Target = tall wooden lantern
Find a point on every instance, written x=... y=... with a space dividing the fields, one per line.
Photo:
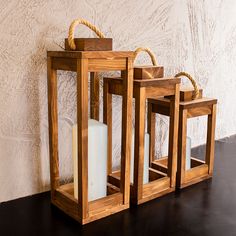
x=190 y=170
x=84 y=56
x=147 y=182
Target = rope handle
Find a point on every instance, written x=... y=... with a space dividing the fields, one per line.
x=76 y=22
x=195 y=86
x=147 y=50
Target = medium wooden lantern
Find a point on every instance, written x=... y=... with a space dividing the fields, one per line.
x=192 y=104
x=157 y=183
x=84 y=62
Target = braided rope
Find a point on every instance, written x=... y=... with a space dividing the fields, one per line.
x=83 y=22
x=150 y=53
x=195 y=86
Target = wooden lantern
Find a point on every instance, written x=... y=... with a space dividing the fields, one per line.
x=192 y=104
x=62 y=196
x=159 y=182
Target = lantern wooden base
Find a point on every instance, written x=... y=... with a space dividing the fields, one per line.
x=161 y=183
x=197 y=173
x=200 y=170
x=91 y=44
x=113 y=203
x=83 y=63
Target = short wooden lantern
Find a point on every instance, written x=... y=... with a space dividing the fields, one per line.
x=84 y=62
x=158 y=182
x=192 y=104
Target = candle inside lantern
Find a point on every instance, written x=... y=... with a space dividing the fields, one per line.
x=188 y=153
x=97 y=160
x=146 y=160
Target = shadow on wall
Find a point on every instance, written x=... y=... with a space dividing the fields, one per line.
x=37 y=99
x=24 y=128
x=37 y=92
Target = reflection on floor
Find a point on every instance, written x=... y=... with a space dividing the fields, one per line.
x=208 y=208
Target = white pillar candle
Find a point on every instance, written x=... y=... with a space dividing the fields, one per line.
x=97 y=160
x=188 y=153
x=146 y=160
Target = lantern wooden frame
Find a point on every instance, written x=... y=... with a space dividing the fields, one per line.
x=200 y=170
x=83 y=62
x=160 y=183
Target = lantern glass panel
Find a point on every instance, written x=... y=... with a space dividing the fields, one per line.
x=196 y=141
x=161 y=136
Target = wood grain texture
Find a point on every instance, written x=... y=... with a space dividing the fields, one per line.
x=94 y=96
x=173 y=137
x=140 y=115
x=53 y=127
x=148 y=72
x=107 y=119
x=126 y=136
x=186 y=94
x=91 y=54
x=151 y=128
x=181 y=148
x=210 y=145
x=91 y=44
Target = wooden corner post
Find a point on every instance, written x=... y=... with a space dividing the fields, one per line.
x=126 y=136
x=210 y=145
x=173 y=136
x=53 y=126
x=140 y=113
x=82 y=121
x=94 y=95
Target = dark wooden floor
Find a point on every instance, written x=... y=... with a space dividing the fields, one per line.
x=208 y=208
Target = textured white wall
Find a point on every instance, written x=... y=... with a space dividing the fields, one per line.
x=196 y=36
